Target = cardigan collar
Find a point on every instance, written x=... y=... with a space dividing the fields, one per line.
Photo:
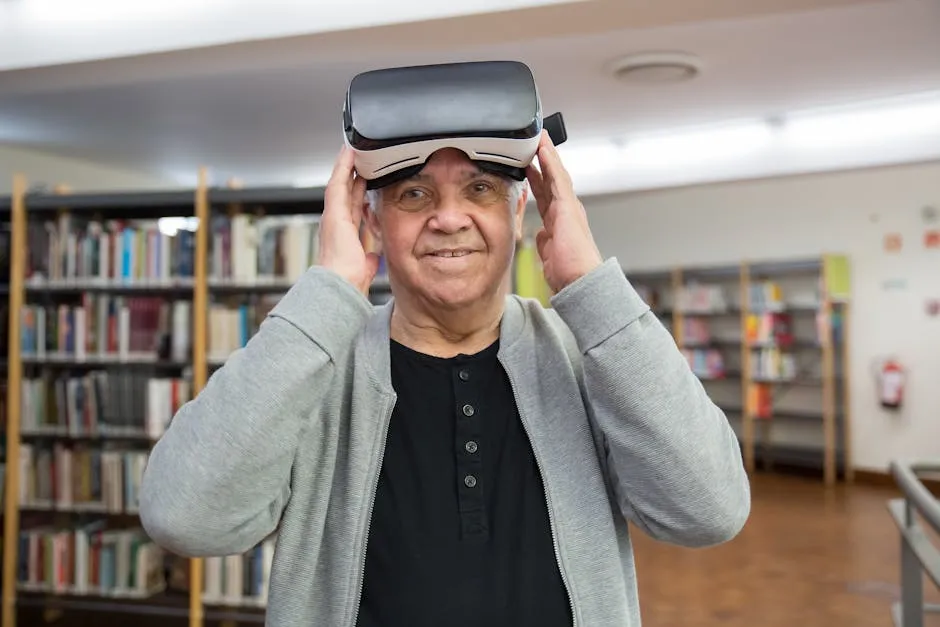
x=376 y=337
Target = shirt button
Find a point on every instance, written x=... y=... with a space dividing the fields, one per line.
x=470 y=481
x=464 y=375
x=468 y=410
x=471 y=446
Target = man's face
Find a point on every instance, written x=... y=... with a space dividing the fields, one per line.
x=449 y=233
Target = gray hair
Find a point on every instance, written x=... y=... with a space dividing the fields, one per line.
x=516 y=189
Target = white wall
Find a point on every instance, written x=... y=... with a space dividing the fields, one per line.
x=847 y=212
x=79 y=175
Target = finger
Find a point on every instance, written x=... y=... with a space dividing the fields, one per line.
x=335 y=189
x=341 y=178
x=357 y=201
x=553 y=170
x=543 y=199
x=539 y=190
x=541 y=241
x=341 y=165
x=536 y=184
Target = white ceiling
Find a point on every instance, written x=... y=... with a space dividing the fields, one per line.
x=268 y=111
x=36 y=33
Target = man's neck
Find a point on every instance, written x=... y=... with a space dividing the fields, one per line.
x=447 y=333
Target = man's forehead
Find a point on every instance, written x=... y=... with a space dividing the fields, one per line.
x=449 y=161
x=467 y=171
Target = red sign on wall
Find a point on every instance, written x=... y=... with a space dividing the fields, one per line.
x=932 y=239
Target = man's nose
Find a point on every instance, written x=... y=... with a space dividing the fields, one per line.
x=450 y=216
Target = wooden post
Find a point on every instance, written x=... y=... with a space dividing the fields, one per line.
x=828 y=383
x=11 y=521
x=747 y=419
x=678 y=319
x=200 y=367
x=846 y=398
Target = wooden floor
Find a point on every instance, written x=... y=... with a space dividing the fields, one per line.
x=807 y=557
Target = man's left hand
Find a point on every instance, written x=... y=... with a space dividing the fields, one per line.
x=565 y=243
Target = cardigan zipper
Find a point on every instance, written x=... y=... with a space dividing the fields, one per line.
x=365 y=538
x=548 y=499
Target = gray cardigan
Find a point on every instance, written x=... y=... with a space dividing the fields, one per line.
x=289 y=435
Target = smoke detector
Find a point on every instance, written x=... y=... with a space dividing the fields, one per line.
x=653 y=68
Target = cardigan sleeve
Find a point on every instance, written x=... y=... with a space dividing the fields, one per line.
x=673 y=461
x=218 y=480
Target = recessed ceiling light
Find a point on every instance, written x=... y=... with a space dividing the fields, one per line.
x=653 y=68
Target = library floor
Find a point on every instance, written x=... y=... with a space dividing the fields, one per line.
x=807 y=557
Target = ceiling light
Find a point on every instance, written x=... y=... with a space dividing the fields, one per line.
x=653 y=68
x=727 y=141
x=861 y=125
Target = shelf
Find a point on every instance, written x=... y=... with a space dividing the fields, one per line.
x=798 y=456
x=803 y=381
x=160 y=603
x=78 y=286
x=735 y=310
x=797 y=343
x=106 y=436
x=244 y=603
x=96 y=361
x=141 y=205
x=234 y=615
x=116 y=520
x=273 y=200
x=784 y=267
x=258 y=287
x=715 y=342
x=647 y=276
x=703 y=273
x=795 y=414
x=272 y=287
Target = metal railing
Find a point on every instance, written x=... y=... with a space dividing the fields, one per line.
x=918 y=554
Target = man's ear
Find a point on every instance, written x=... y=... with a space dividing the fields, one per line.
x=373 y=232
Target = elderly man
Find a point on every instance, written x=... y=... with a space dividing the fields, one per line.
x=459 y=456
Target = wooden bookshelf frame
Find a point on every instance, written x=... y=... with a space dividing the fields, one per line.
x=747 y=417
x=150 y=205
x=11 y=518
x=200 y=367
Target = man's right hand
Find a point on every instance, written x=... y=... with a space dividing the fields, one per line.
x=341 y=248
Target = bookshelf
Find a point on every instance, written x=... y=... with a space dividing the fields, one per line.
x=100 y=357
x=769 y=341
x=129 y=302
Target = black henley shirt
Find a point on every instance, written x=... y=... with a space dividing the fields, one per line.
x=460 y=534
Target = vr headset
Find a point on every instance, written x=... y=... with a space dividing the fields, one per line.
x=395 y=119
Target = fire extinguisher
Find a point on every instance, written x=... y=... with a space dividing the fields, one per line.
x=891 y=384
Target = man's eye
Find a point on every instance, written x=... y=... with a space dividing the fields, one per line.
x=412 y=199
x=481 y=187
